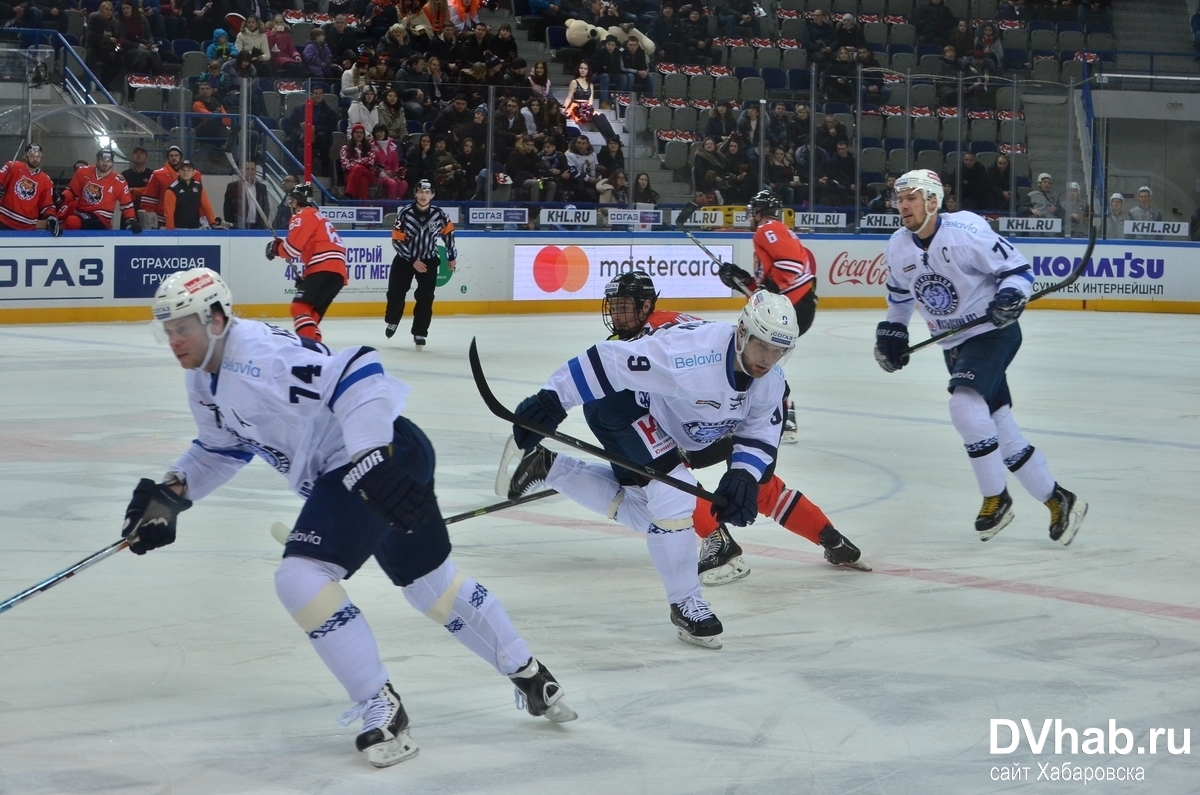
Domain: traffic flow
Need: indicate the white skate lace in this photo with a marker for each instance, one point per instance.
(712, 546)
(375, 713)
(696, 609)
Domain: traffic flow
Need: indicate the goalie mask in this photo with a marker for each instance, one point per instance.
(766, 333)
(198, 292)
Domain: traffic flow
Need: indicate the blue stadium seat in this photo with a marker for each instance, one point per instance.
(556, 37)
(798, 79)
(180, 46)
(774, 79)
(983, 146)
(1015, 58)
(742, 72)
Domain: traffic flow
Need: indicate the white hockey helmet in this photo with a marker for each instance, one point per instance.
(194, 291)
(770, 318)
(928, 182)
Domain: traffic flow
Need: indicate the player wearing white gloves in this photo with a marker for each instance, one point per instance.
(953, 269)
(331, 423)
(685, 386)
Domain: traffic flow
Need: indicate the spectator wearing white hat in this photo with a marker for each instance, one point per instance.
(850, 33)
(1075, 212)
(1115, 225)
(1143, 211)
(1043, 202)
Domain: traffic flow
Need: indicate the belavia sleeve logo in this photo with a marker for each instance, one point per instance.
(557, 268)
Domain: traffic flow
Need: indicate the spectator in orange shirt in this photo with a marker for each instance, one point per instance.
(207, 103)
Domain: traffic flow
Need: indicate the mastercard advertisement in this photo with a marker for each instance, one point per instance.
(580, 272)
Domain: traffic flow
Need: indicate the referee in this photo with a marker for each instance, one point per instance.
(418, 226)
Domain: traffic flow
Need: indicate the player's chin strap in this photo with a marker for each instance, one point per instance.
(929, 216)
(212, 342)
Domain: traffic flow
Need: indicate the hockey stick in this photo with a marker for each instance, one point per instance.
(247, 185)
(499, 409)
(50, 582)
(979, 321)
(684, 216)
(280, 531)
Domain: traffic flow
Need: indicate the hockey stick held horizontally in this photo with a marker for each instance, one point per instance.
(979, 321)
(684, 216)
(66, 573)
(499, 409)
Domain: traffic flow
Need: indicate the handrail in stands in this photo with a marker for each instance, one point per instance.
(77, 88)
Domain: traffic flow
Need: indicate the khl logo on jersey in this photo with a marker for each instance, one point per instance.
(936, 293)
(709, 432)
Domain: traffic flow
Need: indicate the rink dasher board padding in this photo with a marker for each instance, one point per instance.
(112, 276)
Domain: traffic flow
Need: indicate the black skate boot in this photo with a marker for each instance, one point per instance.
(540, 693)
(1066, 515)
(721, 560)
(385, 738)
(390, 330)
(994, 516)
(533, 469)
(419, 342)
(696, 623)
(839, 551)
(789, 428)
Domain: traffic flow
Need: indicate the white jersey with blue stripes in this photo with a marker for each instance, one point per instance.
(684, 376)
(299, 406)
(952, 280)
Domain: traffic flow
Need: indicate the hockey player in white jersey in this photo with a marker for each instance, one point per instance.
(953, 268)
(331, 423)
(685, 386)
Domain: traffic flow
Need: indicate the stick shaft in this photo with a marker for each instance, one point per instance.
(67, 573)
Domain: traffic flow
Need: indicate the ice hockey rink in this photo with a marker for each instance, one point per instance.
(179, 672)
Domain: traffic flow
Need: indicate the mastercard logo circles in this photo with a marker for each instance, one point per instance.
(557, 268)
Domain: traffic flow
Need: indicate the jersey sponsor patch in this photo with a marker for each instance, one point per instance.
(653, 436)
(709, 432)
(936, 293)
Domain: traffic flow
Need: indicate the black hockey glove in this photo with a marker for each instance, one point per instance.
(734, 278)
(543, 409)
(390, 491)
(271, 252)
(132, 225)
(150, 517)
(1006, 307)
(891, 340)
(54, 226)
(741, 490)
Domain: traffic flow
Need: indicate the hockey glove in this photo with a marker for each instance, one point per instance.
(891, 340)
(54, 226)
(132, 225)
(1006, 307)
(390, 491)
(150, 517)
(543, 409)
(740, 489)
(734, 278)
(272, 249)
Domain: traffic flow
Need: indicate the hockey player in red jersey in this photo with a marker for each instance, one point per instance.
(629, 312)
(95, 195)
(315, 245)
(159, 181)
(27, 194)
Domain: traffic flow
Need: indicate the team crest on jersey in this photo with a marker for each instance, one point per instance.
(709, 432)
(92, 193)
(276, 458)
(25, 188)
(936, 293)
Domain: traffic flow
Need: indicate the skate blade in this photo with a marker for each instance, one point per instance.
(1005, 522)
(393, 752)
(789, 437)
(1077, 515)
(858, 565)
(732, 571)
(710, 642)
(504, 474)
(559, 712)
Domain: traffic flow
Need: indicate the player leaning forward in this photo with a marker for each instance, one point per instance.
(954, 268)
(683, 386)
(331, 423)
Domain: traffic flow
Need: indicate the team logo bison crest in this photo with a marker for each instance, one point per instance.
(25, 188)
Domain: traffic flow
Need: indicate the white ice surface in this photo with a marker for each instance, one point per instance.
(178, 672)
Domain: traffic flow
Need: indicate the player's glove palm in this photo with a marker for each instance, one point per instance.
(150, 517)
(740, 490)
(401, 499)
(272, 251)
(734, 278)
(544, 409)
(1006, 307)
(891, 340)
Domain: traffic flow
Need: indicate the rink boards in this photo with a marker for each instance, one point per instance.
(112, 276)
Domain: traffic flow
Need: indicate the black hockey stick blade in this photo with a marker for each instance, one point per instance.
(686, 214)
(67, 573)
(501, 411)
(979, 321)
(499, 506)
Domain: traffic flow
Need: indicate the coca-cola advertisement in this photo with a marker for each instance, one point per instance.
(850, 268)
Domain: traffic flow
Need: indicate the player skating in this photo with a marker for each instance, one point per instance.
(331, 423)
(782, 265)
(414, 236)
(313, 244)
(953, 268)
(684, 386)
(27, 194)
(629, 312)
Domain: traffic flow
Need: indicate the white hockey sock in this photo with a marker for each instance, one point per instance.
(670, 536)
(592, 486)
(969, 413)
(311, 592)
(1023, 459)
(472, 614)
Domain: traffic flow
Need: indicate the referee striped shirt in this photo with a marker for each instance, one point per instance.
(415, 234)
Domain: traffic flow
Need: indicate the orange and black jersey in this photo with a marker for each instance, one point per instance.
(782, 263)
(26, 195)
(312, 240)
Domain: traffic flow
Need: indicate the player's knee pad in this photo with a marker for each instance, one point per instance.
(310, 590)
(668, 504)
(973, 421)
(433, 594)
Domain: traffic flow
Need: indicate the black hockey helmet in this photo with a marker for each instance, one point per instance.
(765, 202)
(302, 193)
(631, 284)
(105, 154)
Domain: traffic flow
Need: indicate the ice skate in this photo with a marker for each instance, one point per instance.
(540, 693)
(994, 516)
(390, 330)
(532, 470)
(385, 738)
(696, 623)
(419, 342)
(721, 560)
(789, 428)
(1066, 515)
(839, 551)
